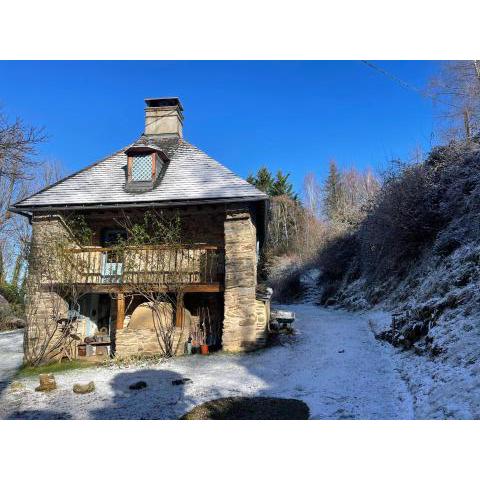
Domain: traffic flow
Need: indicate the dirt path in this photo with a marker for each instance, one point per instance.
(334, 364)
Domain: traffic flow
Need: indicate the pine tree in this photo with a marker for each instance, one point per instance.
(264, 180)
(333, 193)
(273, 186)
(251, 179)
(281, 186)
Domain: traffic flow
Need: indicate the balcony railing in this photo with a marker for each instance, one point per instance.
(192, 265)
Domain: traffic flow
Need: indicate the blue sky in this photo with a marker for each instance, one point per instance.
(293, 116)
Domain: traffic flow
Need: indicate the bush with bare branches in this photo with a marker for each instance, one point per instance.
(52, 285)
(156, 263)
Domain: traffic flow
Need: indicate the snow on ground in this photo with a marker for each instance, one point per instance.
(442, 387)
(11, 354)
(334, 364)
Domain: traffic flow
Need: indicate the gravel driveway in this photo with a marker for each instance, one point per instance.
(11, 352)
(334, 364)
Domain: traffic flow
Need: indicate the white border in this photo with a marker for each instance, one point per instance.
(276, 450)
(250, 29)
(207, 29)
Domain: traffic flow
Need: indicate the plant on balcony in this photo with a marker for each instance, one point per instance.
(80, 229)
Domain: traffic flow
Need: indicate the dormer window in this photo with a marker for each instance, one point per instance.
(144, 166)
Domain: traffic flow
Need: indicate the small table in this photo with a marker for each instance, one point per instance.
(95, 344)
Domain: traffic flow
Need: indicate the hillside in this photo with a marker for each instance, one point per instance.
(416, 254)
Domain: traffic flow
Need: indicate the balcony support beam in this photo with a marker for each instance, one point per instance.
(120, 310)
(179, 312)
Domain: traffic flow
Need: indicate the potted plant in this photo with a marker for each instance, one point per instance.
(202, 341)
(204, 327)
(195, 335)
(188, 346)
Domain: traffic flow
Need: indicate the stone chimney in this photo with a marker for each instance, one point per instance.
(163, 117)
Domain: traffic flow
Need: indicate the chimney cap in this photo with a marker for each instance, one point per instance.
(164, 102)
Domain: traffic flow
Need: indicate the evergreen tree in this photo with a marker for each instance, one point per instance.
(333, 193)
(251, 179)
(273, 186)
(263, 180)
(281, 186)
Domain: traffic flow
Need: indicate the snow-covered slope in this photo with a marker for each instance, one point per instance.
(435, 291)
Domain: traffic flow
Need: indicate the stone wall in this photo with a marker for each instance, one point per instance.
(241, 330)
(200, 224)
(44, 305)
(42, 331)
(262, 310)
(140, 337)
(139, 342)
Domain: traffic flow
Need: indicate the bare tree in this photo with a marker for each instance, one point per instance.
(312, 194)
(157, 264)
(18, 146)
(456, 90)
(21, 174)
(346, 196)
(52, 286)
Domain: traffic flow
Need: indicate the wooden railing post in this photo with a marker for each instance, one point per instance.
(197, 264)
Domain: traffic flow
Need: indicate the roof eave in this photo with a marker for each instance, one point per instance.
(29, 209)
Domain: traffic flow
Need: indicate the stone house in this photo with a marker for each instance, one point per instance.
(222, 215)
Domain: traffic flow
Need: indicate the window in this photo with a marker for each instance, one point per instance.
(142, 168)
(112, 264)
(112, 236)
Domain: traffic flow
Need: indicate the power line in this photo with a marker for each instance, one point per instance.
(405, 84)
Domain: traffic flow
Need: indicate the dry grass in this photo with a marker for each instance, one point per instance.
(247, 408)
(57, 367)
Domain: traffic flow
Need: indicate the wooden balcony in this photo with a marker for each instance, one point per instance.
(195, 268)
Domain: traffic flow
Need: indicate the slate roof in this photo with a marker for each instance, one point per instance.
(190, 176)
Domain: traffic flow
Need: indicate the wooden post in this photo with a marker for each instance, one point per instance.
(179, 311)
(120, 310)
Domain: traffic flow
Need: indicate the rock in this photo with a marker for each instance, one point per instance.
(47, 383)
(16, 386)
(84, 387)
(16, 322)
(341, 351)
(138, 385)
(446, 246)
(181, 381)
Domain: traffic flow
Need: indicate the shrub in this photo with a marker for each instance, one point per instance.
(287, 286)
(11, 293)
(10, 318)
(403, 219)
(11, 311)
(337, 261)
